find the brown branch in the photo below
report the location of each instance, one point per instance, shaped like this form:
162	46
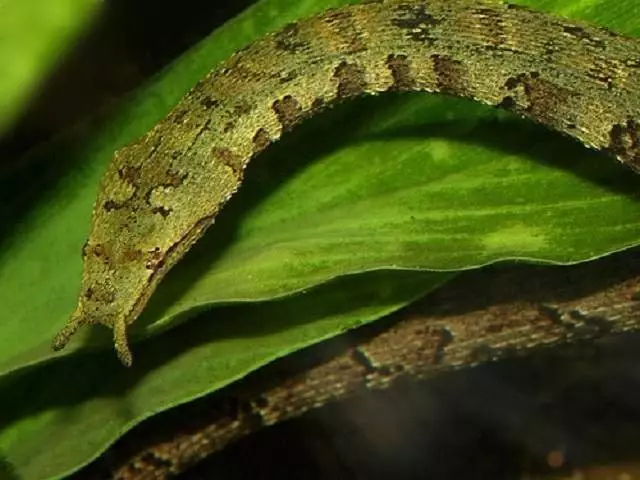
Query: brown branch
481	316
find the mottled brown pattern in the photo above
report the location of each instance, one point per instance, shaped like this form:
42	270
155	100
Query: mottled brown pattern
261	140
578	79
130	174
584	36
415	20
351	80
173	179
162	211
318	104
110	205
543	98
287	39
154	260
400	67
450	75
510	312
288	110
178	116
208	102
602	73
230	159
625	142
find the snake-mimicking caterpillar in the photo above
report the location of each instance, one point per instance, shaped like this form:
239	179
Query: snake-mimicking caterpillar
161	192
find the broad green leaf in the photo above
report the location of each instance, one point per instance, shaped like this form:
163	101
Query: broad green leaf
411	182
63	415
34	34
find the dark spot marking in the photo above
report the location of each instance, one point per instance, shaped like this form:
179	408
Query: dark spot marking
178	116
261	140
205	127
288	39
631	62
209	102
593	324
512	6
130	174
417	22
624	142
507	103
575	321
362	359
110	205
230	159
318	104
151	458
610	33
155	260
163	211
176	154
553	314
100	293
400	67
172	178
604	71
450	75
351	80
288	111
543	98
601	77
253	420
584	36
230	125
511	83
286	77
486	13
336	17
444	340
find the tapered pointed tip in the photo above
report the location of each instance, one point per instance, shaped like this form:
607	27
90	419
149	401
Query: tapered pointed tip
121	343
63	336
125	357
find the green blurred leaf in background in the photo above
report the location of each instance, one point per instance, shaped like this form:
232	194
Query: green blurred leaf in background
353	215
34	36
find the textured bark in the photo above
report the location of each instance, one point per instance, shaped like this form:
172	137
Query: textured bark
481	316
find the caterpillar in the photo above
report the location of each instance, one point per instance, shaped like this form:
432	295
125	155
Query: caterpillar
161	193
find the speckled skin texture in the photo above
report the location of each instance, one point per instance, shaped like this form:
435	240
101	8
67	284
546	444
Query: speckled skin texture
161	192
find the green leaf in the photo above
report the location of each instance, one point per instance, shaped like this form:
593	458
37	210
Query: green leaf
34	36
82	404
407	182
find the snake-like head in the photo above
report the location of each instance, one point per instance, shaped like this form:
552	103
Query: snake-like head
116	284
